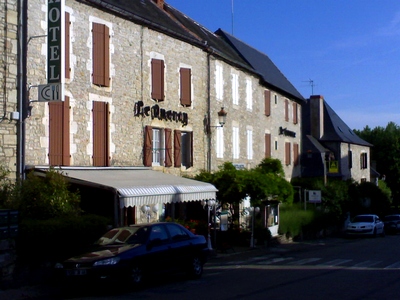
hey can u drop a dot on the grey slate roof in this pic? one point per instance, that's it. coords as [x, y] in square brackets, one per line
[262, 64]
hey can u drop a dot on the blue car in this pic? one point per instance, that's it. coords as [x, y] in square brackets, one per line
[133, 252]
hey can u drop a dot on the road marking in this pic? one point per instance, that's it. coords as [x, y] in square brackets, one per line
[367, 263]
[396, 265]
[304, 261]
[274, 260]
[335, 262]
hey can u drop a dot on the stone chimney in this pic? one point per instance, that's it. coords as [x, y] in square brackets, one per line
[317, 116]
[160, 3]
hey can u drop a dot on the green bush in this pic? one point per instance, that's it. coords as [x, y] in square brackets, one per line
[293, 218]
[59, 238]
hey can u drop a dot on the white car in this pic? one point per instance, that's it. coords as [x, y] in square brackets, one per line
[369, 225]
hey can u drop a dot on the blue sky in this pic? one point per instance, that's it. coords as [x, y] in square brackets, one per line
[350, 49]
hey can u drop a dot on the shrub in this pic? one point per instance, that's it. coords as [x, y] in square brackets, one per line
[293, 218]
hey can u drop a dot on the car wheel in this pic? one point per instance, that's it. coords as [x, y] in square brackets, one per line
[136, 275]
[195, 268]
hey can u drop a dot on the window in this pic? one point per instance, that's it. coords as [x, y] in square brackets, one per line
[177, 233]
[158, 235]
[59, 152]
[220, 142]
[295, 113]
[235, 142]
[287, 154]
[101, 55]
[267, 145]
[219, 83]
[364, 161]
[276, 99]
[235, 89]
[276, 145]
[186, 86]
[183, 149]
[267, 102]
[249, 95]
[154, 146]
[249, 144]
[67, 45]
[286, 110]
[100, 134]
[295, 154]
[157, 79]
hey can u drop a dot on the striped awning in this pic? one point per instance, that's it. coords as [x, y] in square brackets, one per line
[139, 186]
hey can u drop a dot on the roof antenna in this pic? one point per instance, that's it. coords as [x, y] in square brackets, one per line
[311, 83]
[232, 17]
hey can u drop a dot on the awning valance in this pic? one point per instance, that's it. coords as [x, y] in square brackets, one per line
[139, 186]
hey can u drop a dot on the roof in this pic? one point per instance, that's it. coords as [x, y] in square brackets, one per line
[138, 186]
[262, 64]
[335, 129]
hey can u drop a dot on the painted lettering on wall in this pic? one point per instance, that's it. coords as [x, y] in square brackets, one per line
[55, 18]
[159, 113]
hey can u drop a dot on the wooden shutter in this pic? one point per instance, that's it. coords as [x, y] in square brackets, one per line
[67, 43]
[59, 152]
[100, 134]
[177, 149]
[267, 100]
[295, 115]
[286, 110]
[168, 147]
[186, 96]
[295, 154]
[148, 145]
[267, 145]
[287, 153]
[157, 79]
[101, 54]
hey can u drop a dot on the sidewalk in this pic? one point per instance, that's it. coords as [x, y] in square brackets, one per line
[41, 290]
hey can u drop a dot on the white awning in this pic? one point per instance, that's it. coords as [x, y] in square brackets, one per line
[139, 186]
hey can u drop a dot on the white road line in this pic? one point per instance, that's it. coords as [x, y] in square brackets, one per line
[335, 262]
[396, 265]
[274, 260]
[304, 261]
[367, 263]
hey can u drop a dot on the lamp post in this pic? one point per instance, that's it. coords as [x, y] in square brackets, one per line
[210, 205]
[253, 211]
[147, 211]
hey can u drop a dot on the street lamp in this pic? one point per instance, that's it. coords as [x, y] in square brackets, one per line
[147, 211]
[253, 211]
[210, 205]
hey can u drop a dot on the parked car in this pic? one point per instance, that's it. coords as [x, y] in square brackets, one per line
[370, 225]
[392, 223]
[135, 251]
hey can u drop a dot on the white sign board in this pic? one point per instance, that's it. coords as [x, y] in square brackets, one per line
[50, 92]
[314, 196]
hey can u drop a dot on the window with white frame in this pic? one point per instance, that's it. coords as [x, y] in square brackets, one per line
[158, 147]
[249, 144]
[235, 89]
[219, 83]
[235, 142]
[249, 95]
[220, 142]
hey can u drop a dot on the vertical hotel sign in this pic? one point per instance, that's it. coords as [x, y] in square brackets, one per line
[55, 49]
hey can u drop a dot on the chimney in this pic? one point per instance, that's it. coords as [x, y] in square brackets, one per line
[160, 3]
[317, 116]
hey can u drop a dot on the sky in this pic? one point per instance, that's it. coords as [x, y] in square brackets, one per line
[345, 50]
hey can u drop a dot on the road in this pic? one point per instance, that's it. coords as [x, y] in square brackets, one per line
[367, 268]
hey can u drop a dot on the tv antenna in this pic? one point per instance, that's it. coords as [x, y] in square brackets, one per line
[311, 83]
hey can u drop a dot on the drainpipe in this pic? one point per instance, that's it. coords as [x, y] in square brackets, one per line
[22, 83]
[208, 116]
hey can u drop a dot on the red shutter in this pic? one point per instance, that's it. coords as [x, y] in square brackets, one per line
[177, 149]
[295, 113]
[66, 155]
[157, 79]
[267, 100]
[100, 134]
[101, 54]
[67, 43]
[287, 154]
[186, 96]
[168, 147]
[286, 110]
[295, 154]
[267, 145]
[147, 151]
[55, 133]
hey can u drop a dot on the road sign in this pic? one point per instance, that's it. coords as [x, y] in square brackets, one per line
[50, 92]
[314, 196]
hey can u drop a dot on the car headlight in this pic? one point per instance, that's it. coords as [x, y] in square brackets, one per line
[107, 262]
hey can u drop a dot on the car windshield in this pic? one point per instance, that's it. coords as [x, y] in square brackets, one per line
[363, 219]
[392, 218]
[122, 235]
